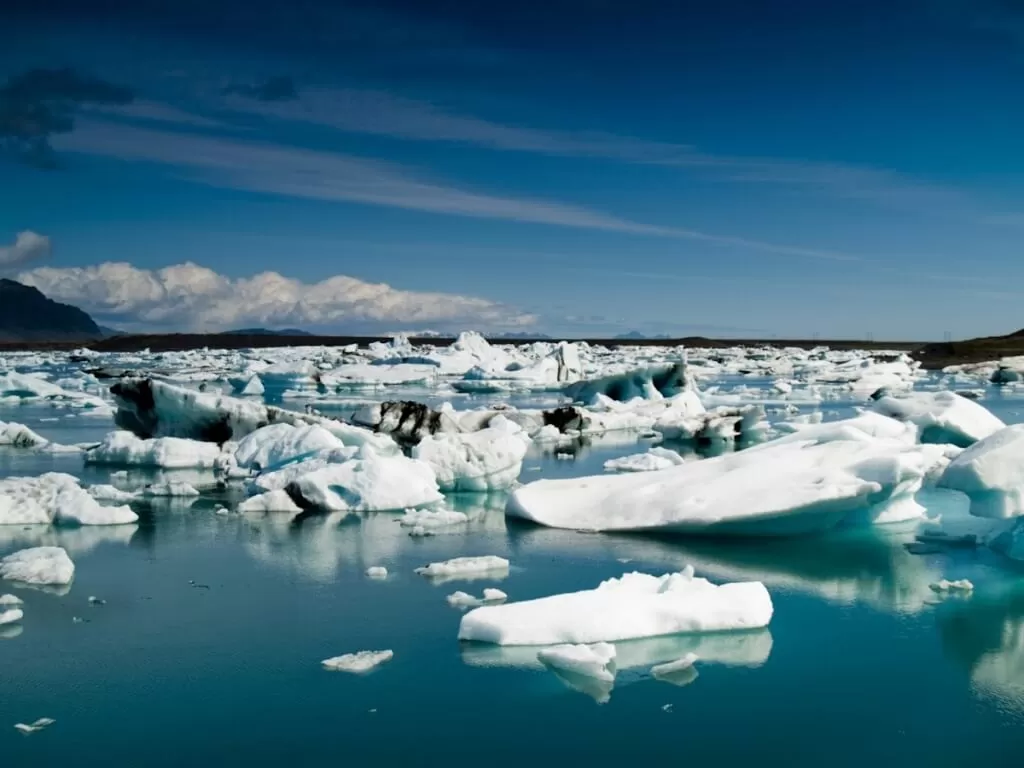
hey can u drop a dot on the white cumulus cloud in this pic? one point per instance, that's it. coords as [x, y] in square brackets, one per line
[188, 297]
[28, 246]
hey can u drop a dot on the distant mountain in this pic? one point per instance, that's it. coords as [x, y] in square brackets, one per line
[630, 336]
[27, 315]
[522, 335]
[108, 332]
[267, 332]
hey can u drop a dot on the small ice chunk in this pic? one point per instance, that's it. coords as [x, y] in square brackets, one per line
[271, 501]
[466, 567]
[462, 600]
[597, 660]
[38, 565]
[171, 489]
[432, 519]
[10, 616]
[960, 585]
[492, 595]
[104, 492]
[358, 663]
[93, 600]
[377, 572]
[38, 725]
[9, 600]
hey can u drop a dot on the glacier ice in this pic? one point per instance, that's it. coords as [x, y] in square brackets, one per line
[122, 448]
[55, 497]
[466, 568]
[636, 605]
[39, 566]
[991, 473]
[357, 663]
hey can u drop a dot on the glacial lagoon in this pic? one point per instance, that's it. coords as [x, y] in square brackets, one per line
[205, 637]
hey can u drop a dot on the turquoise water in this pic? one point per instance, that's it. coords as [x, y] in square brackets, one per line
[207, 649]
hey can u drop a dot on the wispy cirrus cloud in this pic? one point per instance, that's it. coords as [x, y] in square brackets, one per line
[309, 174]
[384, 114]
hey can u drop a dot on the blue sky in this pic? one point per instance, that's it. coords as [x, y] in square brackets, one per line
[575, 167]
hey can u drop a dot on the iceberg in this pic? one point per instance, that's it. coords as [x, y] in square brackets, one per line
[772, 489]
[150, 408]
[991, 474]
[358, 663]
[55, 497]
[404, 420]
[942, 417]
[654, 382]
[19, 436]
[122, 448]
[366, 484]
[377, 572]
[10, 616]
[488, 460]
[275, 444]
[634, 606]
[271, 501]
[39, 566]
[466, 568]
[655, 459]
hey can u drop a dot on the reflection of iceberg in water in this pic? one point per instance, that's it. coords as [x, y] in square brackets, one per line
[317, 546]
[986, 634]
[870, 566]
[634, 658]
[77, 541]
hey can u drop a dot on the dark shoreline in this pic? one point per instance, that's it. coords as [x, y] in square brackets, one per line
[933, 356]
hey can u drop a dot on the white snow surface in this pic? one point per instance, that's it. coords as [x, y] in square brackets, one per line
[39, 566]
[637, 605]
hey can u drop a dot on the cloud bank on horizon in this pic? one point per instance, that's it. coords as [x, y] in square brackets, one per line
[189, 297]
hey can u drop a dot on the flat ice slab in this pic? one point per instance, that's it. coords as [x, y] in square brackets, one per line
[358, 663]
[466, 568]
[38, 565]
[636, 605]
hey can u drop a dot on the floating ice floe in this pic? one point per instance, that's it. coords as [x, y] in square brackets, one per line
[358, 663]
[6, 601]
[271, 501]
[943, 417]
[634, 606]
[991, 473]
[55, 497]
[38, 725]
[466, 568]
[122, 448]
[960, 585]
[433, 519]
[29, 387]
[773, 489]
[171, 489]
[39, 566]
[10, 616]
[655, 459]
[654, 382]
[466, 600]
[377, 572]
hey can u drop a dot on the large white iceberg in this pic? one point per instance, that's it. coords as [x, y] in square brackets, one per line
[488, 460]
[122, 448]
[943, 417]
[55, 497]
[367, 483]
[773, 489]
[39, 566]
[991, 473]
[636, 605]
[276, 443]
[151, 408]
